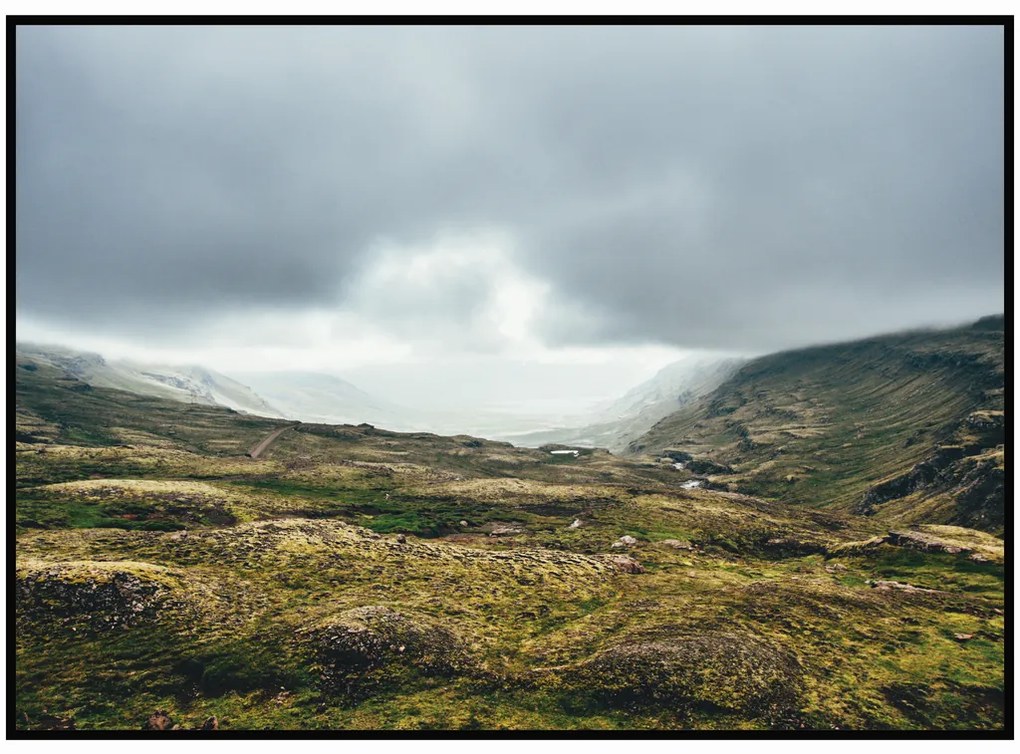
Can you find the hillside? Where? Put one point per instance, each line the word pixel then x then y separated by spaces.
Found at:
pixel 352 577
pixel 907 428
pixel 188 384
pixel 616 425
pixel 316 397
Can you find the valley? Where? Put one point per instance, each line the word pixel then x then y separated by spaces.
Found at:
pixel 176 569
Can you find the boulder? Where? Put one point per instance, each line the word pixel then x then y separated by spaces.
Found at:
pixel 886 586
pixel 627 564
pixel 158 720
pixel 677 544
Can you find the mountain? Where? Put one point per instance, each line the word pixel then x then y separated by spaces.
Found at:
pixel 617 424
pixel 316 397
pixel 351 577
pixel 188 384
pixel 907 427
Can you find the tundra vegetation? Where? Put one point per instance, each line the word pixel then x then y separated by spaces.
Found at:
pixel 356 578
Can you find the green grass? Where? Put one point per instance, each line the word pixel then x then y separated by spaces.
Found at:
pixel 313 537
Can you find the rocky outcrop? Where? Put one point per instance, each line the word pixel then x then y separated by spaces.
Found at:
pixel 677 544
pixel 626 564
pixel 707 467
pixel 506 530
pixel 917 540
pixel 970 474
pixel 94 595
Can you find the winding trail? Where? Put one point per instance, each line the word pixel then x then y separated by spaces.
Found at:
pixel 268 440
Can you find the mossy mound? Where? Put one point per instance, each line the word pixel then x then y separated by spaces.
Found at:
pixel 94 595
pixel 726 671
pixel 365 648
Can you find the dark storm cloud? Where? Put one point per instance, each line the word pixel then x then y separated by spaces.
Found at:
pixel 729 187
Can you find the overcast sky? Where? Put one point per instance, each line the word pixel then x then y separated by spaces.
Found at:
pixel 340 198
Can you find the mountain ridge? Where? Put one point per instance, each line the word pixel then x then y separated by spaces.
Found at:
pixel 824 425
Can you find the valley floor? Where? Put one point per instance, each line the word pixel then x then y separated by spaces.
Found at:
pixel 352 578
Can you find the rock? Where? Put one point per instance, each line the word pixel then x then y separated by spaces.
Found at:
pixel 627 564
pixel 835 568
pixel 211 723
pixel 963 637
pixel 677 544
pixel 158 720
pixel 677 455
pixel 401 538
pixel 917 540
pixel 704 466
pixel 505 530
pixel 464 523
pixel 890 585
pixel 794 545
pixel 95 595
pixel 625 541
pixel 576 524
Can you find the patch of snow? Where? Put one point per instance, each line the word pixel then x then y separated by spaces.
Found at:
pixel 690 484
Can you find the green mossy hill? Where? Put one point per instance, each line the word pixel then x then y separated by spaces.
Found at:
pixel 98 595
pixel 976 545
pixel 144 504
pixel 358 579
pixel 55 407
pixel 366 648
pixel 855 425
pixel 728 671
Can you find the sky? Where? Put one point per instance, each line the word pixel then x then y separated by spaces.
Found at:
pixel 541 203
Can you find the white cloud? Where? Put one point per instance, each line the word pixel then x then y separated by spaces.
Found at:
pixel 451 322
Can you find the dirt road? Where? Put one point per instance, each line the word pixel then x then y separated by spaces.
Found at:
pixel 268 440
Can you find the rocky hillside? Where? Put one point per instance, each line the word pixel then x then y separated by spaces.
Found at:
pixel 908 428
pixel 187 384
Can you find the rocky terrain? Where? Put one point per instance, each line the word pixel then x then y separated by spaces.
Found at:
pixel 355 578
pixel 906 428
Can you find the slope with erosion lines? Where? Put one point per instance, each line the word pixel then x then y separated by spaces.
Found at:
pixel 823 426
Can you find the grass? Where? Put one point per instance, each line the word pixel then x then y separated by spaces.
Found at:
pixel 821 426
pixel 554 635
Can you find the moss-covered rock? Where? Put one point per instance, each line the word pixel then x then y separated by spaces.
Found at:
pixel 728 671
pixel 362 649
pixel 97 595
